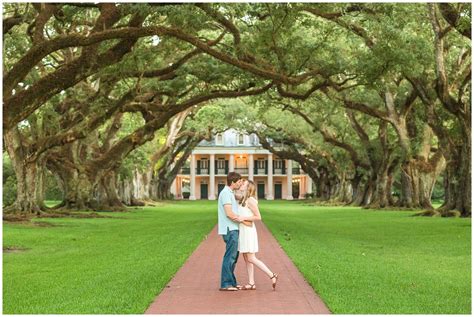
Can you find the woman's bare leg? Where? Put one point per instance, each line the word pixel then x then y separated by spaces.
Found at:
pixel 250 270
pixel 253 259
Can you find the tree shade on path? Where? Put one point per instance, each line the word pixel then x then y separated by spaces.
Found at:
pixel 195 287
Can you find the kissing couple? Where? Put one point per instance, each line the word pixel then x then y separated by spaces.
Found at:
pixel 237 211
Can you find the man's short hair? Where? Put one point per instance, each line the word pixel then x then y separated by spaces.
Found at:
pixel 233 177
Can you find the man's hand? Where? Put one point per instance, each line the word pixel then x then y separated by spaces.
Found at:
pixel 231 215
pixel 237 218
pixel 248 223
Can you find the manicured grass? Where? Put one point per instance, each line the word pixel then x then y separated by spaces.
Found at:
pixel 377 262
pixel 358 261
pixel 100 265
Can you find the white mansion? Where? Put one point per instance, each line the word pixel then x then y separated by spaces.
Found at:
pixel 206 170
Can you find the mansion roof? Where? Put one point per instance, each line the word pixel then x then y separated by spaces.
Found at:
pixel 231 138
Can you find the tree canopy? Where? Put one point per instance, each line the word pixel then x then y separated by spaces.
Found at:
pixel 372 99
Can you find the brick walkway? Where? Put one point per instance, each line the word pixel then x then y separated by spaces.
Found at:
pixel 195 287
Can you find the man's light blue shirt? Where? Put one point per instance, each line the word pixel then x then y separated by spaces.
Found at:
pixel 226 197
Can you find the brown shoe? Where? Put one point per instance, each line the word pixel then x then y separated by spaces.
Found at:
pixel 275 276
pixel 249 287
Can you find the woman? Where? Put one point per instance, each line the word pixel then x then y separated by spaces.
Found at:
pixel 248 240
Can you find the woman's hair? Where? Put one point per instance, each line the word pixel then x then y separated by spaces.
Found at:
pixel 251 192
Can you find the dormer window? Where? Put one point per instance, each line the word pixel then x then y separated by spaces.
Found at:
pixel 240 139
pixel 219 139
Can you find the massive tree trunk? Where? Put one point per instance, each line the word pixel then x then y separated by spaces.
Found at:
pixel 344 192
pixel 379 153
pixel 379 187
pixel 141 185
pixel 358 189
pixel 418 170
pixel 109 198
pixel 390 180
pixel 418 175
pixel 29 175
pixel 318 188
pixel 163 189
pixel 369 191
pixel 134 191
pixel 79 182
pixel 328 187
pixel 457 183
pixel 87 190
pixel 79 190
pixel 164 178
pixel 125 191
pixel 30 188
pixel 463 202
pixel 155 182
pixel 175 159
pixel 457 152
pixel 324 188
pixel 454 92
pixel 164 164
pixel 380 198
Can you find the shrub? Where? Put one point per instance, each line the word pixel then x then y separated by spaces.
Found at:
pixel 309 196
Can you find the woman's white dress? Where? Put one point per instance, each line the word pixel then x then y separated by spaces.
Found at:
pixel 248 239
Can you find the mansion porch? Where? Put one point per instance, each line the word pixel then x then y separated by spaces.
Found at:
pixel 205 176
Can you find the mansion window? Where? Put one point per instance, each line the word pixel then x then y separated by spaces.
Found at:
pixel 240 140
pixel 220 163
pixel 204 163
pixel 278 164
pixel 219 139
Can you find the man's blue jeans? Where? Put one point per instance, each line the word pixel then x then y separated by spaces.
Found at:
pixel 231 255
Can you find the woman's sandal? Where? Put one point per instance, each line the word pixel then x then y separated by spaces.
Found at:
pixel 275 276
pixel 249 287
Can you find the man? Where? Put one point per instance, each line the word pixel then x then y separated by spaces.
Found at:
pixel 228 227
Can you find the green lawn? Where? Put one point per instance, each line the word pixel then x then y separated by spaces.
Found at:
pixel 359 261
pixel 100 266
pixel 377 262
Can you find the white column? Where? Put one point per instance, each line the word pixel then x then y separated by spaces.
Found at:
pixel 250 159
pixel 270 177
pixel 289 183
pixel 212 180
pixel 309 185
pixel 192 194
pixel 231 163
pixel 179 188
pixel 302 186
